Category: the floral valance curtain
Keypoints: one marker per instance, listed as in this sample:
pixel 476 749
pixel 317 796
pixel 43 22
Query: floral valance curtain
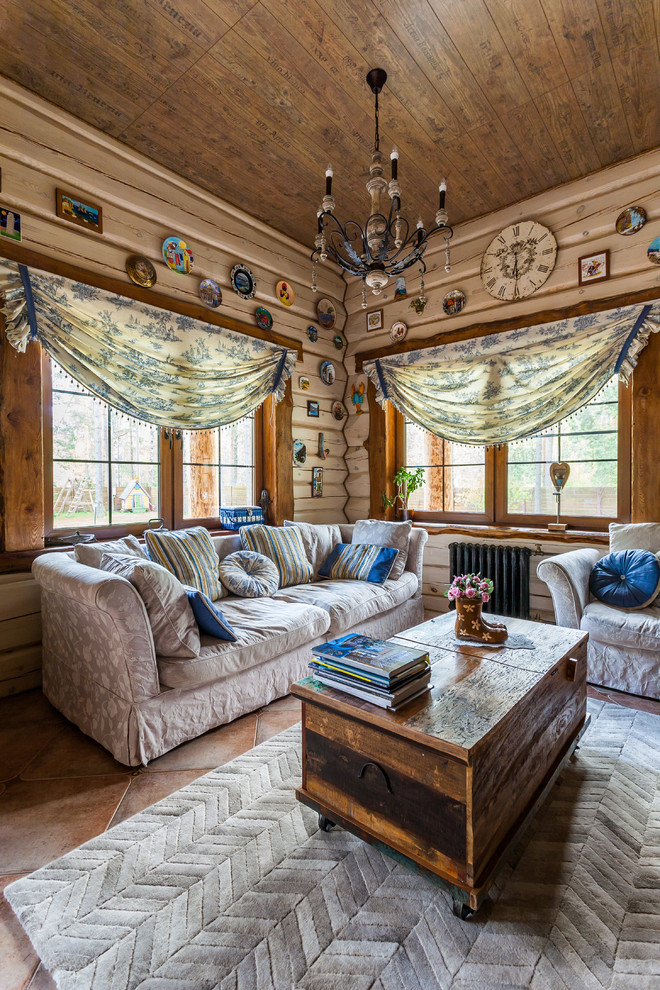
pixel 159 366
pixel 507 386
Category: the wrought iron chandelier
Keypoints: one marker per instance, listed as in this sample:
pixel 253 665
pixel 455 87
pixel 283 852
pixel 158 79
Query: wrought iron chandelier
pixel 385 247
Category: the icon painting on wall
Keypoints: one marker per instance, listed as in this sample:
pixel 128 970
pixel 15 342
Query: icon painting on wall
pixel 10 224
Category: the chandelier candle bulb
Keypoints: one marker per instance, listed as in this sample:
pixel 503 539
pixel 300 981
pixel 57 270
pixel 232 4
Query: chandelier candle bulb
pixel 442 189
pixel 394 158
pixel 328 180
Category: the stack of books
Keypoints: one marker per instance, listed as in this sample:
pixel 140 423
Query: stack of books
pixel 374 670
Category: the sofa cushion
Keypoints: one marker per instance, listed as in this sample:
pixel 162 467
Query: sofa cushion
pixel 635 536
pixel 359 562
pixel 190 555
pixel 264 628
pixel 171 618
pixel 382 533
pixel 351 602
pixel 628 579
pixel 91 553
pixel 249 575
pixel 318 540
pixel 284 546
pixel 640 630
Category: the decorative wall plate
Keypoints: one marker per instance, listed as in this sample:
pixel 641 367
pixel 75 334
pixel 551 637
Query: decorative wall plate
pixel 631 220
pixel 653 251
pixel 326 313
pixel 398 331
pixel 328 373
pixel 263 318
pixel 313 334
pixel 303 383
pixel 453 302
pixel 210 292
pixel 243 281
pixel 299 452
pixel 338 341
pixel 285 294
pixel 338 410
pixel 177 255
pixel 140 270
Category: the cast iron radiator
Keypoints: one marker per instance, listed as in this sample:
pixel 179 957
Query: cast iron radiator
pixel 508 569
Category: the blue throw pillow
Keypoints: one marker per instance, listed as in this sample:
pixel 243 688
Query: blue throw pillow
pixel 627 579
pixel 208 616
pixel 359 562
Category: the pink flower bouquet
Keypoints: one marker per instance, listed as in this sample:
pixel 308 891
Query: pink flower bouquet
pixel 471 586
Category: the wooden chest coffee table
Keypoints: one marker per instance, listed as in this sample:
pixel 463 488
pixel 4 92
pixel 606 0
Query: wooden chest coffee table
pixel 448 782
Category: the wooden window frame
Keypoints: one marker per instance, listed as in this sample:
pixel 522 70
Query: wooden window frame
pixel 170 476
pixel 496 461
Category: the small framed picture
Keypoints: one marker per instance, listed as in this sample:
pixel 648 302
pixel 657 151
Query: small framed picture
pixel 594 267
pixel 78 210
pixel 375 320
pixel 317 482
pixel 312 408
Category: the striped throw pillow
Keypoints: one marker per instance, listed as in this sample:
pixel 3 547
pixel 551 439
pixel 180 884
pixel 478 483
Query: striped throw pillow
pixel 190 555
pixel 359 562
pixel 284 546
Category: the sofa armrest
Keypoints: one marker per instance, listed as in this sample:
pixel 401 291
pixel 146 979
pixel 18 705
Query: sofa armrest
pixel 567 576
pixel 415 562
pixel 95 619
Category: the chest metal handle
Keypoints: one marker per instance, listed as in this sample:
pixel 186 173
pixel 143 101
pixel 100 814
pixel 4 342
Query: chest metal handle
pixel 375 765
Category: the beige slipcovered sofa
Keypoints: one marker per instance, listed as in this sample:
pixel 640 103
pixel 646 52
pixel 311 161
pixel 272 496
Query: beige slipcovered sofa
pixel 101 671
pixel 624 646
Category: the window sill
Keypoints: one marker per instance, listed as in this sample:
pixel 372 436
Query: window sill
pixel 492 531
pixel 16 561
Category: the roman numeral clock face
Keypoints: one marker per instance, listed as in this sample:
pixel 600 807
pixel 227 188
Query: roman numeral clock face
pixel 518 260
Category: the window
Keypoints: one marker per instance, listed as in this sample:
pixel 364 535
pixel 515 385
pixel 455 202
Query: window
pixel 107 470
pixel 511 484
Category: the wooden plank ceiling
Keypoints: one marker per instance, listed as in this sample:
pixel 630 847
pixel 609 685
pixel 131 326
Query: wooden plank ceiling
pixel 250 100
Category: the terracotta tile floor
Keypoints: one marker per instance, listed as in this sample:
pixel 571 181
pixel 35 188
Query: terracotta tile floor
pixel 59 788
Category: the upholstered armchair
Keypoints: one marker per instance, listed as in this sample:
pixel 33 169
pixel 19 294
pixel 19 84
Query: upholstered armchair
pixel 624 646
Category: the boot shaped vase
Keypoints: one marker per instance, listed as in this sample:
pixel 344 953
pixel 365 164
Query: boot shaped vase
pixel 470 623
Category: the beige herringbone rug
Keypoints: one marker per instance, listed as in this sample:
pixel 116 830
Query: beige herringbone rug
pixel 228 884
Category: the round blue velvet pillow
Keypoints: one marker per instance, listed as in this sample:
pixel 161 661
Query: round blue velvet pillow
pixel 628 579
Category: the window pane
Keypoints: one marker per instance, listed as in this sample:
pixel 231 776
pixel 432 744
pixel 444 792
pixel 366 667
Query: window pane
pixel 105 465
pixel 80 427
pixel 133 440
pixel 135 496
pixel 588 442
pixel 80 494
pixel 454 475
pixel 218 469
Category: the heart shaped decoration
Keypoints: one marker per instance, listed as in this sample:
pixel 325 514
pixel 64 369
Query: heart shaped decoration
pixel 559 472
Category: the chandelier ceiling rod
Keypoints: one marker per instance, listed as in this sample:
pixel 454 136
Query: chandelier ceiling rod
pixel 384 247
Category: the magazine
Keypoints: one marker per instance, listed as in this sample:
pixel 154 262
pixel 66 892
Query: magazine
pixel 372 655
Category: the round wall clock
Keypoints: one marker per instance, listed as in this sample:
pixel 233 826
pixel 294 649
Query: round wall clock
pixel 141 271
pixel 328 373
pixel 518 260
pixel 285 294
pixel 243 281
pixel 210 292
pixel 326 312
pixel 264 319
pixel 398 331
pixel 177 255
pixel 453 302
pixel 631 220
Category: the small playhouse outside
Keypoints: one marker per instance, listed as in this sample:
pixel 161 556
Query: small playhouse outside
pixel 135 498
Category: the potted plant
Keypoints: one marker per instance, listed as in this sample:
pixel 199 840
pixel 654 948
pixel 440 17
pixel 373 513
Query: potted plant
pixel 406 483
